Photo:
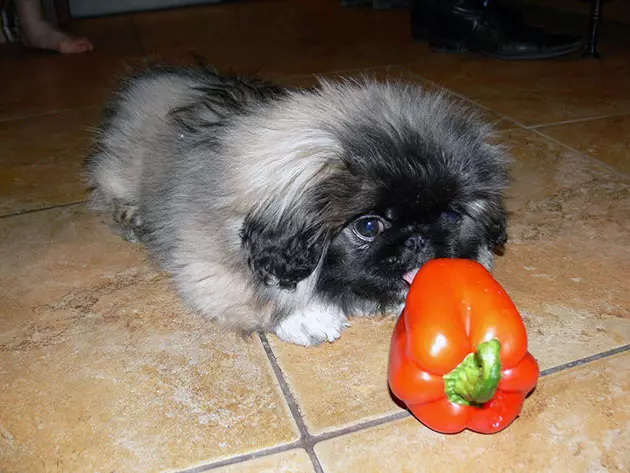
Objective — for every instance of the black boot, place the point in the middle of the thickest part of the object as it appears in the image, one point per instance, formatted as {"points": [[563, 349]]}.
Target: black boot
{"points": [[475, 25]]}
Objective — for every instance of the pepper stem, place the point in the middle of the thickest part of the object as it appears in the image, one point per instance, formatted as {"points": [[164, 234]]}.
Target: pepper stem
{"points": [[475, 380]]}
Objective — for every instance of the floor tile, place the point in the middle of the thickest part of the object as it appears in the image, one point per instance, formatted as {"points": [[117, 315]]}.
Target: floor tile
{"points": [[41, 159], [342, 383], [575, 421], [293, 461], [281, 38], [103, 370], [607, 139], [545, 91], [47, 171], [500, 122], [566, 264], [397, 73], [43, 82], [565, 267]]}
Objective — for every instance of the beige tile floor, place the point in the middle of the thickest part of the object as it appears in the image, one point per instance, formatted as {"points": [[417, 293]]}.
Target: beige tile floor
{"points": [[102, 370]]}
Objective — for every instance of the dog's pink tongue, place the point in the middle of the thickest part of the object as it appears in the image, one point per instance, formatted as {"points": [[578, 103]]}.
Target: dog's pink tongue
{"points": [[410, 275]]}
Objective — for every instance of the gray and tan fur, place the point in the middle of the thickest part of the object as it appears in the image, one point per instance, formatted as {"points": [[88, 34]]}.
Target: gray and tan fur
{"points": [[247, 192]]}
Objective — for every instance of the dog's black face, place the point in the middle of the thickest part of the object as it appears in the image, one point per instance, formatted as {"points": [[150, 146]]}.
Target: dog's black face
{"points": [[411, 201], [409, 177]]}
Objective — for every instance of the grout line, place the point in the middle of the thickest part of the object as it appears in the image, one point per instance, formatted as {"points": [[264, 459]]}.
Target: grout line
{"points": [[507, 117], [577, 120], [460, 96], [317, 466], [307, 441], [242, 458], [284, 386], [535, 128], [403, 414], [588, 157], [30, 211], [465, 98], [305, 436], [46, 114], [585, 360]]}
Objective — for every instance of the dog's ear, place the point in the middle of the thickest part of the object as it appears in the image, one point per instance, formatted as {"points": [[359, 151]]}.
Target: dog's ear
{"points": [[498, 235], [281, 254]]}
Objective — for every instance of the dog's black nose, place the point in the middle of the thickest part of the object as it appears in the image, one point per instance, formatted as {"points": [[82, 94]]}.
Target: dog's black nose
{"points": [[416, 243]]}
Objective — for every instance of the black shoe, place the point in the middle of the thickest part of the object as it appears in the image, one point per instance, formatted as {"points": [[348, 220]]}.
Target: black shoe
{"points": [[459, 26]]}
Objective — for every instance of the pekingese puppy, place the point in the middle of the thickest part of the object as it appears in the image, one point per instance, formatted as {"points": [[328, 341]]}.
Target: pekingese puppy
{"points": [[287, 210]]}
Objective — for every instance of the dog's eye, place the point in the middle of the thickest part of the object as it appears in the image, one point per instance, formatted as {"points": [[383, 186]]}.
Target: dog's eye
{"points": [[367, 228], [451, 216]]}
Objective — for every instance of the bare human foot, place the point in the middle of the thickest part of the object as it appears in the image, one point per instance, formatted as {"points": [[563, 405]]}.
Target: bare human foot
{"points": [[43, 35], [38, 33]]}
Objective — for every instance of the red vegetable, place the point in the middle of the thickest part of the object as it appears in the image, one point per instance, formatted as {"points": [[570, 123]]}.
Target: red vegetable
{"points": [[459, 357]]}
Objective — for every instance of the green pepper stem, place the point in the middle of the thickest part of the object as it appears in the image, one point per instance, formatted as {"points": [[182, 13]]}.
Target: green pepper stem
{"points": [[475, 380]]}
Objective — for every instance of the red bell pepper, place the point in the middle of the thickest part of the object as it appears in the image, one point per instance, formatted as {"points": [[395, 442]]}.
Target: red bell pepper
{"points": [[458, 357]]}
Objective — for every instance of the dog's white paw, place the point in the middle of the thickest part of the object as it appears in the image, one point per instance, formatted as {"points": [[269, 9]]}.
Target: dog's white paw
{"points": [[313, 325]]}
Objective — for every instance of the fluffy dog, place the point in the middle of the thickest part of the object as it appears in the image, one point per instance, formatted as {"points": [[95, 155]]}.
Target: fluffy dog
{"points": [[287, 210]]}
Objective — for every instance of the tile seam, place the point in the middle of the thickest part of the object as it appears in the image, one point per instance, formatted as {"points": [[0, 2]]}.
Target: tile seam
{"points": [[43, 209], [533, 128], [307, 442]]}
